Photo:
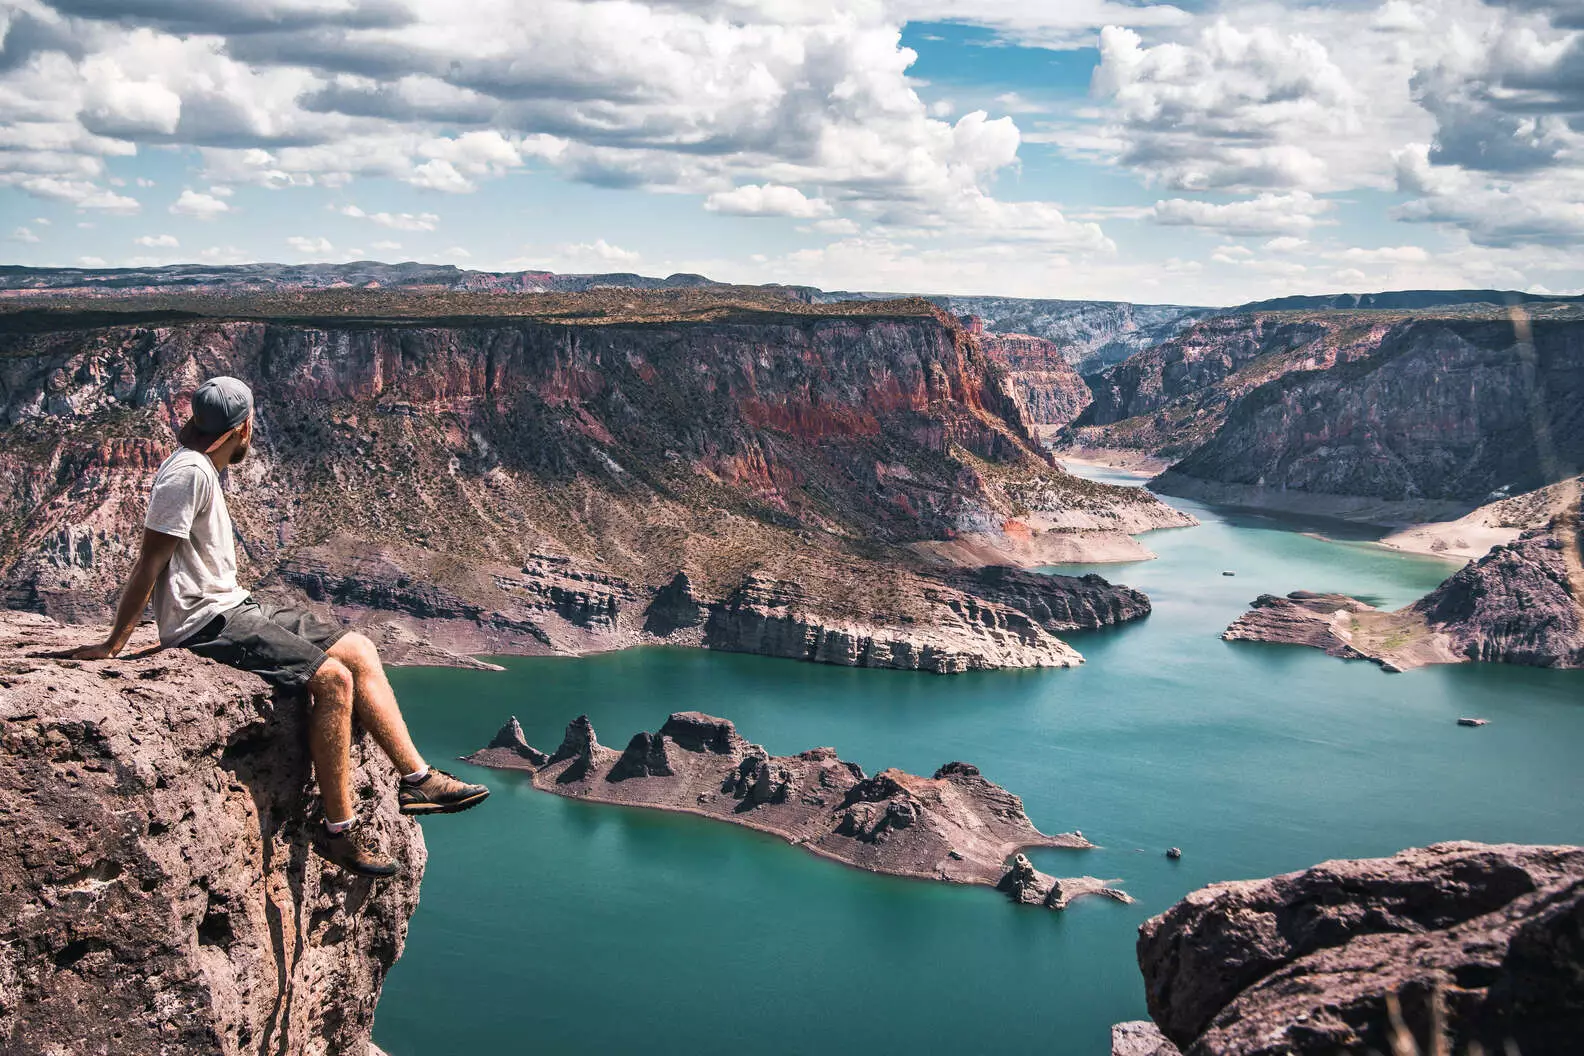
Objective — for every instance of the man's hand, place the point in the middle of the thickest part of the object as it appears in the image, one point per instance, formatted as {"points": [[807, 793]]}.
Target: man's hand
{"points": [[98, 651]]}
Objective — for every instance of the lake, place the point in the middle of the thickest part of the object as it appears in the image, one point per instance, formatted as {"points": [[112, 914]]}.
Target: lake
{"points": [[553, 926]]}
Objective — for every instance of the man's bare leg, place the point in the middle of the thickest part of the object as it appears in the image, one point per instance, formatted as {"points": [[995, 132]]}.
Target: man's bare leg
{"points": [[330, 737], [330, 743], [374, 701]]}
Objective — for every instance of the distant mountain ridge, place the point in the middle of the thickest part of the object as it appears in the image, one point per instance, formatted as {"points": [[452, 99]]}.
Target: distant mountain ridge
{"points": [[1404, 299]]}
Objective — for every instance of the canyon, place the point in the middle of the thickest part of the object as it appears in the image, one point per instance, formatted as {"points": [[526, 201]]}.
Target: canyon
{"points": [[1477, 943], [486, 473], [1387, 416], [955, 826], [157, 892]]}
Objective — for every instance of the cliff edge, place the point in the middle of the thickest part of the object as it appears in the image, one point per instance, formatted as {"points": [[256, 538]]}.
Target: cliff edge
{"points": [[157, 892]]}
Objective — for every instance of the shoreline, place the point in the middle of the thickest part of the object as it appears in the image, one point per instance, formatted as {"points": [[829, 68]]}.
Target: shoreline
{"points": [[1117, 459]]}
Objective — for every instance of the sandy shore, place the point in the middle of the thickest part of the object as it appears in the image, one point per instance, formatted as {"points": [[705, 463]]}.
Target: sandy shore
{"points": [[1496, 524], [1122, 460]]}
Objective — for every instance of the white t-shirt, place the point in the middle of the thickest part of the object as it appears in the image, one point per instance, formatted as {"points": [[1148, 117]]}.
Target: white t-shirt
{"points": [[201, 580]]}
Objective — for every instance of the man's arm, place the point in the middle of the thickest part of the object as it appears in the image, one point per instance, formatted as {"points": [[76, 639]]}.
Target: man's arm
{"points": [[153, 556]]}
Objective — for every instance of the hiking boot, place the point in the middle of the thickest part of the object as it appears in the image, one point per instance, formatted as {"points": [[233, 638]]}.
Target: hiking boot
{"points": [[353, 850], [439, 793]]}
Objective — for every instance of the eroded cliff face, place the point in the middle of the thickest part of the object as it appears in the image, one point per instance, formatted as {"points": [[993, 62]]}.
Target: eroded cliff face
{"points": [[1050, 390], [157, 892], [1435, 412], [523, 485], [1302, 964]]}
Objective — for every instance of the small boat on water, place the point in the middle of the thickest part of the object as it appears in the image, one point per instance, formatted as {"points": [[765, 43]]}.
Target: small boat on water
{"points": [[1229, 573], [1473, 722]]}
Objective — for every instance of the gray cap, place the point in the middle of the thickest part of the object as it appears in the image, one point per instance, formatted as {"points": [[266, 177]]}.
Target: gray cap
{"points": [[220, 405]]}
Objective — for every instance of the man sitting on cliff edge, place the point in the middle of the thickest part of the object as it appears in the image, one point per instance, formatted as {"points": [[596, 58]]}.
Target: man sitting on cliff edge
{"points": [[188, 564]]}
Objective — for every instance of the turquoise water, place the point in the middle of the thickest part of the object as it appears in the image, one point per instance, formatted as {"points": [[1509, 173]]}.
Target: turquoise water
{"points": [[550, 926]]}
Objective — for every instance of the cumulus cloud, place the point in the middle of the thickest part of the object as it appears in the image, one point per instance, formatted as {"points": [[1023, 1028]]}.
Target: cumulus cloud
{"points": [[397, 221], [709, 97], [1228, 108], [387, 245], [767, 200], [310, 247], [197, 204], [1266, 214], [157, 241], [599, 251]]}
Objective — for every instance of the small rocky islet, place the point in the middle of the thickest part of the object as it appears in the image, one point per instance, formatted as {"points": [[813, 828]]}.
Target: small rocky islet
{"points": [[955, 826]]}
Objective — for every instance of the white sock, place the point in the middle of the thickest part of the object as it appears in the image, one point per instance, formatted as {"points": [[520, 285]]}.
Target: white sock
{"points": [[416, 776], [335, 828]]}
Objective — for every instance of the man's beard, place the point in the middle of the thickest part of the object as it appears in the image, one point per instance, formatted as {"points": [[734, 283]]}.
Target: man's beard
{"points": [[240, 453]]}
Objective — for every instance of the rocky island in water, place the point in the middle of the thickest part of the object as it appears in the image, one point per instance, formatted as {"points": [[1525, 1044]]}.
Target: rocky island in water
{"points": [[955, 826]]}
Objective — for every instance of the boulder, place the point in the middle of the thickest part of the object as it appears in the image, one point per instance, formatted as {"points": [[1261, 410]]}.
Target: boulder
{"points": [[1303, 964]]}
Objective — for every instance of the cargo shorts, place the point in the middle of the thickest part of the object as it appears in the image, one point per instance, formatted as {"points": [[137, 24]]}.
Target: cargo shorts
{"points": [[282, 644]]}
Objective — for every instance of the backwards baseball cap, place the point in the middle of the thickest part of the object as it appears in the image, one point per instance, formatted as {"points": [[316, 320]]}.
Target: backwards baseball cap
{"points": [[219, 406]]}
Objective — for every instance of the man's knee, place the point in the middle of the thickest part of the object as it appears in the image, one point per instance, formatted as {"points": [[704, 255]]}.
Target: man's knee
{"points": [[331, 684], [356, 651]]}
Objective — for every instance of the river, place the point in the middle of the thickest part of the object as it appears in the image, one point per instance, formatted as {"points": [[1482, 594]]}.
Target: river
{"points": [[553, 926]]}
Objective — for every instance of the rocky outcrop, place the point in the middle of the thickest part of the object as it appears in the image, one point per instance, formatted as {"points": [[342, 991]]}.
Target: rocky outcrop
{"points": [[1519, 604], [1051, 391], [772, 618], [157, 892], [508, 747], [1141, 1038], [955, 826], [525, 483], [1304, 964]]}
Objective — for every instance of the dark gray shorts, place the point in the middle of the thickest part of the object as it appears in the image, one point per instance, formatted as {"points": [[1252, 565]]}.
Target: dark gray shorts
{"points": [[281, 644]]}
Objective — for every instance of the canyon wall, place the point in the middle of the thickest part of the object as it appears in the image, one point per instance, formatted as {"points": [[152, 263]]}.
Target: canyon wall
{"points": [[1051, 391], [525, 485], [157, 891], [1442, 410]]}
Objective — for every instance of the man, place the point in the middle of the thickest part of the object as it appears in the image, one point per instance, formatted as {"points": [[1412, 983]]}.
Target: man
{"points": [[188, 564]]}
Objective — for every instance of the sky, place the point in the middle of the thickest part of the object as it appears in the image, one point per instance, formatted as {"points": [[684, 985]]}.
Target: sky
{"points": [[1209, 152]]}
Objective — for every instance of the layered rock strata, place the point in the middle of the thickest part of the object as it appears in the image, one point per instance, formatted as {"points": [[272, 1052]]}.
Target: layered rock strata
{"points": [[526, 482], [1519, 604], [1390, 417], [955, 826], [1049, 388], [1304, 964], [157, 891]]}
